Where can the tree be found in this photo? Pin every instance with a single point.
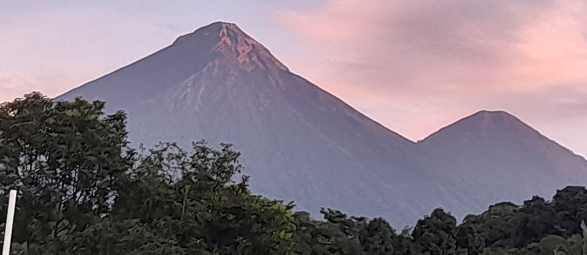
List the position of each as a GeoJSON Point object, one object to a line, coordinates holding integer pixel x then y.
{"type": "Point", "coordinates": [570, 205]}
{"type": "Point", "coordinates": [64, 159]}
{"type": "Point", "coordinates": [191, 198]}
{"type": "Point", "coordinates": [378, 237]}
{"type": "Point", "coordinates": [436, 233]}
{"type": "Point", "coordinates": [83, 191]}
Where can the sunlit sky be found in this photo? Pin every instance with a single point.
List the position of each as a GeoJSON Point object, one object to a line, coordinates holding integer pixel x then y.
{"type": "Point", "coordinates": [413, 66]}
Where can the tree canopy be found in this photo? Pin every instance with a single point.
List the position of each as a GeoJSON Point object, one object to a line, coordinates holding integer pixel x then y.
{"type": "Point", "coordinates": [83, 190]}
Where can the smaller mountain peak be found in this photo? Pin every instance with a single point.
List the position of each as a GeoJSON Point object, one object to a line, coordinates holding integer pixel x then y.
{"type": "Point", "coordinates": [487, 113]}
{"type": "Point", "coordinates": [485, 117]}
{"type": "Point", "coordinates": [489, 124]}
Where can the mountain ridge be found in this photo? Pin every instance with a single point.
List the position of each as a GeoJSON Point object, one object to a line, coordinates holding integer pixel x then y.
{"type": "Point", "coordinates": [298, 141]}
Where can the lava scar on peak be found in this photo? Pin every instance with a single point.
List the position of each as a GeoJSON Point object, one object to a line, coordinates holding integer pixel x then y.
{"type": "Point", "coordinates": [235, 45]}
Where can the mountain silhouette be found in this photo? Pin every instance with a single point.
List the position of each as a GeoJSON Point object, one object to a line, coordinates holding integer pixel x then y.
{"type": "Point", "coordinates": [299, 142]}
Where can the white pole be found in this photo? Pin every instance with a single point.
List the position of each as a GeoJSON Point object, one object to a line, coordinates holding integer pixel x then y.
{"type": "Point", "coordinates": [9, 221]}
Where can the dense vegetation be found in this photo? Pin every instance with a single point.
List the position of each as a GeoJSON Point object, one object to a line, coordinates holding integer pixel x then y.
{"type": "Point", "coordinates": [82, 190]}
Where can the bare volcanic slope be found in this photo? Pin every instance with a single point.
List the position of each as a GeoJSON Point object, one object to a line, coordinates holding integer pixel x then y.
{"type": "Point", "coordinates": [298, 142]}
{"type": "Point", "coordinates": [512, 159]}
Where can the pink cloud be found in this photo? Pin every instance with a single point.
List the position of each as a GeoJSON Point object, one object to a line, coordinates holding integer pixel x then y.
{"type": "Point", "coordinates": [497, 43]}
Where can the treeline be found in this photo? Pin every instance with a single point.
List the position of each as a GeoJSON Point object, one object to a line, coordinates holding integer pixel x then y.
{"type": "Point", "coordinates": [83, 190]}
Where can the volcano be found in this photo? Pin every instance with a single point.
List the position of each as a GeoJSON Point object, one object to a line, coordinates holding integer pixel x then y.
{"type": "Point", "coordinates": [298, 142]}
{"type": "Point", "coordinates": [510, 157]}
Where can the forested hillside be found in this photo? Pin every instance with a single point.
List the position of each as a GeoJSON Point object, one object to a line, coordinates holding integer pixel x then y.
{"type": "Point", "coordinates": [83, 190]}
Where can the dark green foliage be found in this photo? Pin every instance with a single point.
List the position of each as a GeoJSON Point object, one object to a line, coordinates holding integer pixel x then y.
{"type": "Point", "coordinates": [570, 205]}
{"type": "Point", "coordinates": [81, 190]}
{"type": "Point", "coordinates": [436, 233]}
{"type": "Point", "coordinates": [65, 161]}
{"type": "Point", "coordinates": [377, 238]}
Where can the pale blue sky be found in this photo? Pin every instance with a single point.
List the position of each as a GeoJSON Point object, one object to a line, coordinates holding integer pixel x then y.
{"type": "Point", "coordinates": [414, 66]}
